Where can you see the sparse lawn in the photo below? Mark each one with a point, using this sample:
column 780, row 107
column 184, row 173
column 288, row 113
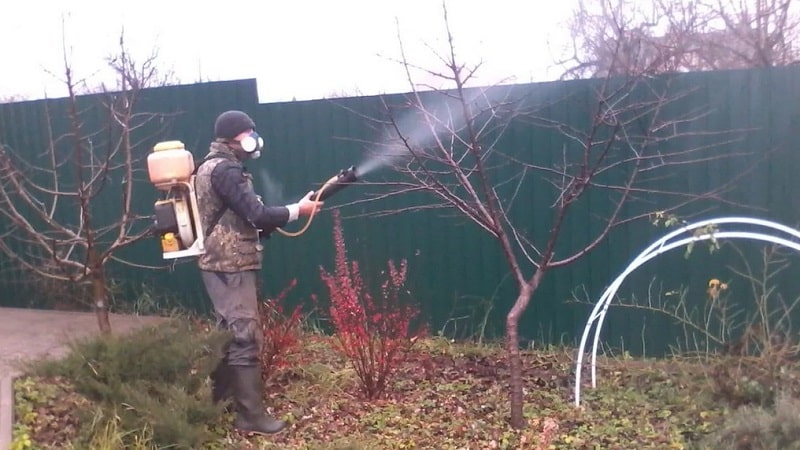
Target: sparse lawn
column 444, row 396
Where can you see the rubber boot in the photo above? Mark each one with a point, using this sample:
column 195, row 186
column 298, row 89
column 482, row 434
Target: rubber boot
column 248, row 396
column 222, row 384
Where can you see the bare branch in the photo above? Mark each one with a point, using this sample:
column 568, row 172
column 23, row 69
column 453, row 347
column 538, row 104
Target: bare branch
column 65, row 221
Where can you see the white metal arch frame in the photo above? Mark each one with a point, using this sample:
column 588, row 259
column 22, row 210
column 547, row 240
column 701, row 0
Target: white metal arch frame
column 670, row 241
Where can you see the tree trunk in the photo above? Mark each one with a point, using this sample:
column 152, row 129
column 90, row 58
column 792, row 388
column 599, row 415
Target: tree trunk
column 514, row 359
column 100, row 300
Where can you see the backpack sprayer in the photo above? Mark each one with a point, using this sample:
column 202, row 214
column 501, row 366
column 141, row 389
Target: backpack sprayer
column 177, row 217
column 177, row 220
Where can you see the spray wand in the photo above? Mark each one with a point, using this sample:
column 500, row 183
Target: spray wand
column 335, row 184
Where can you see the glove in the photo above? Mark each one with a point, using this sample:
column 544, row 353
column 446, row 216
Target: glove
column 309, row 197
column 308, row 203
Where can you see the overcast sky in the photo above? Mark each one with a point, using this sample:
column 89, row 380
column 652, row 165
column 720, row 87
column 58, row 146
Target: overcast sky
column 303, row 49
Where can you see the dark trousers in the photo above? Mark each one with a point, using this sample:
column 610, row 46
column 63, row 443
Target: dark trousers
column 235, row 301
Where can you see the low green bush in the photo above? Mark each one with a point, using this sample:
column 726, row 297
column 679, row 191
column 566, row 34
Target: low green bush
column 155, row 379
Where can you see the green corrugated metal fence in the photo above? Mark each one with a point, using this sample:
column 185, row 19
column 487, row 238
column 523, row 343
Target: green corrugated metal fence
column 450, row 258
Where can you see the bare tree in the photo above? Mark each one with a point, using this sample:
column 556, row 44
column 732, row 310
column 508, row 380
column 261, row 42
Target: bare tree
column 613, row 37
column 632, row 135
column 68, row 209
column 756, row 33
column 134, row 73
column 678, row 36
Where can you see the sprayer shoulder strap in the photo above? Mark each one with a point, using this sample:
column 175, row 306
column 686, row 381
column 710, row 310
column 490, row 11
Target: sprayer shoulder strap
column 210, row 228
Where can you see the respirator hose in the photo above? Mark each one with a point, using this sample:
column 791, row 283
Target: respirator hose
column 311, row 216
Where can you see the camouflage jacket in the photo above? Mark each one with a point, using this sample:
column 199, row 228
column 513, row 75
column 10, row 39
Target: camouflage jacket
column 233, row 244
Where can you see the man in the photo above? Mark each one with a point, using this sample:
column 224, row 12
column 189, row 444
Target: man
column 235, row 220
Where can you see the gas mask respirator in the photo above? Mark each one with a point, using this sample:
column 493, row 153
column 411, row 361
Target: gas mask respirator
column 252, row 145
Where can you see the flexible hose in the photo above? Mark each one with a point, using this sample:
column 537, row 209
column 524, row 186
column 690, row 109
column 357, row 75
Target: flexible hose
column 311, row 216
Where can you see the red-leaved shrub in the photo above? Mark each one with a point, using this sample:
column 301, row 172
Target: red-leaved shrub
column 372, row 331
column 281, row 332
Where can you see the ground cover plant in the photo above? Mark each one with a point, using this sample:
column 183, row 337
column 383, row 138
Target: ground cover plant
column 443, row 395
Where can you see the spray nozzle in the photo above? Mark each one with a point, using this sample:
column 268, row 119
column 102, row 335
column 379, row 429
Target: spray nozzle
column 335, row 184
column 343, row 179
